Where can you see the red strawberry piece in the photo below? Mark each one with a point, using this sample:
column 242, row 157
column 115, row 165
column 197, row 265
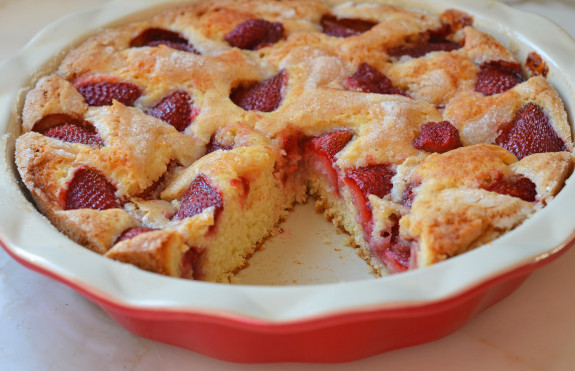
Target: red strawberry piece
column 102, row 93
column 291, row 144
column 530, row 132
column 320, row 153
column 64, row 127
column 214, row 145
column 189, row 267
column 254, row 34
column 265, row 96
column 437, row 137
column 133, row 232
column 397, row 258
column 420, row 49
column 345, row 27
column 153, row 191
column 498, row 77
column 75, row 134
column 515, row 186
column 89, row 189
column 369, row 79
column 199, row 196
column 365, row 181
column 159, row 36
column 175, row 109
column 409, row 194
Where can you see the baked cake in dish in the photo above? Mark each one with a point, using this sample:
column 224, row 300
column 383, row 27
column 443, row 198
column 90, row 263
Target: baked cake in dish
column 178, row 144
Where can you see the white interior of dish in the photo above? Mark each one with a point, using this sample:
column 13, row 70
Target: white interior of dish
column 31, row 237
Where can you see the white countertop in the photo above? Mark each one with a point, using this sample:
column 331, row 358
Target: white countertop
column 44, row 325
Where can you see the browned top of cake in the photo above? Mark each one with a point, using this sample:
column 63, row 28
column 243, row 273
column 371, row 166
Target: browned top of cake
column 212, row 91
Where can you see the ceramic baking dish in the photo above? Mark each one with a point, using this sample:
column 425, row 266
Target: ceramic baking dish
column 338, row 319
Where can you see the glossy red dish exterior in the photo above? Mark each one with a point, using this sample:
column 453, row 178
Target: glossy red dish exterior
column 337, row 338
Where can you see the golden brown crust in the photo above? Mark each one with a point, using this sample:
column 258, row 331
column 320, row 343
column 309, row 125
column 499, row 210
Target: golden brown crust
column 452, row 213
column 158, row 251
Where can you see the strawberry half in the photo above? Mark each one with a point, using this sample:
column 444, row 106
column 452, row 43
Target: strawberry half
column 420, row 49
column 103, row 93
column 159, row 36
column 291, row 144
column 89, row 189
column 265, row 96
column 530, row 132
column 498, row 77
column 320, row 154
column 254, row 34
column 75, row 134
column 189, row 267
column 344, row 27
column 393, row 254
column 214, row 145
column 175, row 109
column 64, row 127
column 133, row 232
column 515, row 186
column 409, row 194
column 199, row 196
column 437, row 137
column 397, row 257
column 365, row 181
column 369, row 79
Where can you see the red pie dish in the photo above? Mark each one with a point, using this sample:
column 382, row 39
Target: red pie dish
column 150, row 213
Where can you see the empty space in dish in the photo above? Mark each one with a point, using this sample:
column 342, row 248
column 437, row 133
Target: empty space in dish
column 308, row 249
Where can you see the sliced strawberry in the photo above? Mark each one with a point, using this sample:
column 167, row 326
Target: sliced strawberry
column 153, row 191
column 199, row 196
column 409, row 194
column 265, row 96
column 320, row 153
column 291, row 143
column 175, row 109
column 397, row 257
column 75, row 134
column 515, row 186
column 102, row 93
column 530, row 132
column 498, row 77
column 330, row 144
column 89, row 189
column 189, row 267
column 133, row 232
column 345, row 27
column 214, row 145
column 372, row 179
column 437, row 137
column 254, row 34
column 369, row 79
column 420, row 49
column 365, row 181
column 438, row 34
column 394, row 255
column 64, row 127
column 159, row 36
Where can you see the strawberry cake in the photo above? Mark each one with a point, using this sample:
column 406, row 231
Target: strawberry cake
column 179, row 143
